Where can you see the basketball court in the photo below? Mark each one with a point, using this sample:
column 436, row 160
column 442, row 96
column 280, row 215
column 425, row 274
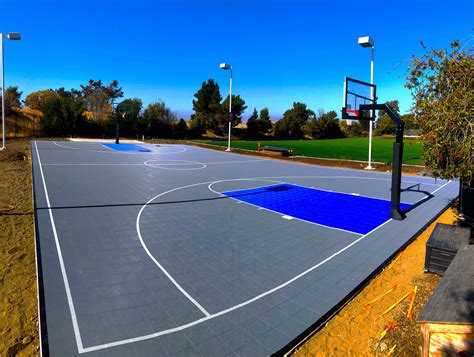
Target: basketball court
column 179, row 250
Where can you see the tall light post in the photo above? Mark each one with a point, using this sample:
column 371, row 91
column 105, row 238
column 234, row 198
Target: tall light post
column 369, row 42
column 14, row 36
column 226, row 66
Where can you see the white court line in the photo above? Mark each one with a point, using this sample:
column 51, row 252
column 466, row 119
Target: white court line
column 75, row 326
column 235, row 307
column 208, row 316
column 270, row 210
column 93, row 164
column 168, row 275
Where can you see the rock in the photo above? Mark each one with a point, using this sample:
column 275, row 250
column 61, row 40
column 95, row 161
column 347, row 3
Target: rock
column 26, row 340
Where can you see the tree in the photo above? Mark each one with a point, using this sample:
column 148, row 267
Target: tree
column 159, row 120
column 238, row 107
column 410, row 121
column 293, row 122
column 258, row 127
column 130, row 124
column 181, row 129
column 98, row 98
column 207, row 107
column 63, row 114
column 36, row 100
column 442, row 87
column 12, row 99
column 384, row 123
column 252, row 128
column 264, row 122
column 326, row 126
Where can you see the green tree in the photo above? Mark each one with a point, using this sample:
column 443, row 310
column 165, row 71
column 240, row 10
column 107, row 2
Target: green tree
column 442, row 86
column 252, row 128
column 410, row 121
column 443, row 92
column 130, row 125
column 238, row 107
column 291, row 126
column 384, row 124
column 181, row 129
column 326, row 126
column 207, row 107
column 159, row 120
column 12, row 99
column 63, row 114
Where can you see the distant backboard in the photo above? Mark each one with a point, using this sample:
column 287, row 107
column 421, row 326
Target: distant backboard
column 356, row 93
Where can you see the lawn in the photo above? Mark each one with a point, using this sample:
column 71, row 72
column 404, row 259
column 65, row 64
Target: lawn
column 349, row 149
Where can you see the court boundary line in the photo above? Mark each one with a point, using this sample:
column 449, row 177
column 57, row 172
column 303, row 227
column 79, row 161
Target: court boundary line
column 72, row 310
column 81, row 349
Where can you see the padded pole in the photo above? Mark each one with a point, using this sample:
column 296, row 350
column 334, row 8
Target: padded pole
column 397, row 160
column 395, row 211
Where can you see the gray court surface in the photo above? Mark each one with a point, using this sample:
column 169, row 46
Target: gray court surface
column 140, row 254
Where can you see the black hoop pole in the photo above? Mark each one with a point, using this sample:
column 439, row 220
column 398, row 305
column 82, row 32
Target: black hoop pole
column 395, row 211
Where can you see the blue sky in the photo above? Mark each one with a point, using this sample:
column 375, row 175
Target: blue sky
column 282, row 51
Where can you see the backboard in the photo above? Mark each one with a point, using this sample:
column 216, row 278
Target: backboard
column 356, row 93
column 123, row 109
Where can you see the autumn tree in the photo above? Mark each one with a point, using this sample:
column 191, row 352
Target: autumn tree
column 98, row 98
column 442, row 86
column 36, row 100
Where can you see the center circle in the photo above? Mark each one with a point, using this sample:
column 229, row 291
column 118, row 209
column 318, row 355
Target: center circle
column 177, row 165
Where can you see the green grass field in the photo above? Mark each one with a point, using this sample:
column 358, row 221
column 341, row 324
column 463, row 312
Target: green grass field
column 348, row 149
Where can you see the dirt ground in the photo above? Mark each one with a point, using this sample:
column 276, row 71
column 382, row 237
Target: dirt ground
column 356, row 329
column 18, row 303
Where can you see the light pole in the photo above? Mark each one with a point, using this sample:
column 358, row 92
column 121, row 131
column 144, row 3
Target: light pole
column 226, row 66
column 369, row 42
column 14, row 36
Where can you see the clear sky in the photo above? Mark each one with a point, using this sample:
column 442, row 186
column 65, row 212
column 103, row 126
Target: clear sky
column 282, row 50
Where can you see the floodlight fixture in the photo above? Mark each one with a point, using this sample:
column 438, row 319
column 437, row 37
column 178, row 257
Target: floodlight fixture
column 225, row 66
column 14, row 36
column 366, row 41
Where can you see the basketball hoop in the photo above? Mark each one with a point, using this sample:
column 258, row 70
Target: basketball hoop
column 352, row 112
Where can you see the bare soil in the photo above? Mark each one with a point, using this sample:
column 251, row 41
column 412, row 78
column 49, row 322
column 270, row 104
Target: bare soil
column 18, row 297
